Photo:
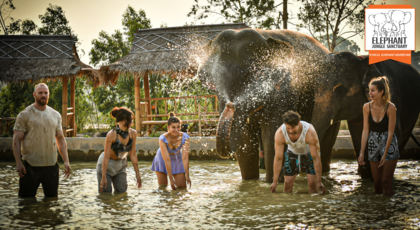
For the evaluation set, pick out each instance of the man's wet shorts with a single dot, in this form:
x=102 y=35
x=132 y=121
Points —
x=47 y=176
x=291 y=164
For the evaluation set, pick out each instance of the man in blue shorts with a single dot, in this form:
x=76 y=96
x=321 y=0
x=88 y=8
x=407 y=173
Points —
x=303 y=153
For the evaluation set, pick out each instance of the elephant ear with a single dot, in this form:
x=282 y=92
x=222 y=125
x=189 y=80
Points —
x=371 y=71
x=407 y=17
x=372 y=19
x=282 y=48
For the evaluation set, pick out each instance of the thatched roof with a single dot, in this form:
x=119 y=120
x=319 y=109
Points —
x=166 y=50
x=36 y=57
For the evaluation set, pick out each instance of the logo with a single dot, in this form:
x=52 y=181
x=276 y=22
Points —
x=390 y=32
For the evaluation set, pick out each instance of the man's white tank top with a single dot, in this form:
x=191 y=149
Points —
x=300 y=147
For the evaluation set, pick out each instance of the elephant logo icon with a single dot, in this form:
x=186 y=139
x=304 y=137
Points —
x=391 y=24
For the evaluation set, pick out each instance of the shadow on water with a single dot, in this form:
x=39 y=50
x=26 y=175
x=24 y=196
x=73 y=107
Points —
x=45 y=212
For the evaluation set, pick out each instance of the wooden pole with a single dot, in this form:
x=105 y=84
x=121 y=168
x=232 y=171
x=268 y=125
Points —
x=73 y=105
x=64 y=106
x=285 y=16
x=137 y=104
x=147 y=97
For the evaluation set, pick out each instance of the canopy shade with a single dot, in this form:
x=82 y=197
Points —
x=36 y=57
x=165 y=50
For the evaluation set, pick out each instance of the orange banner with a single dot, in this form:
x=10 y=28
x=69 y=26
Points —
x=383 y=55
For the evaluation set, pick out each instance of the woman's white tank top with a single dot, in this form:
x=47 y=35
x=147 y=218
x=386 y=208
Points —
x=300 y=147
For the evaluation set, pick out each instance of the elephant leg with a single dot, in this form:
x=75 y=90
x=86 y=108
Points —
x=327 y=144
x=247 y=153
x=356 y=130
x=268 y=131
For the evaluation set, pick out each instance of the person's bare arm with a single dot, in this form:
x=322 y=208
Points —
x=167 y=159
x=314 y=147
x=18 y=137
x=62 y=148
x=110 y=136
x=365 y=133
x=392 y=114
x=279 y=142
x=186 y=160
x=133 y=157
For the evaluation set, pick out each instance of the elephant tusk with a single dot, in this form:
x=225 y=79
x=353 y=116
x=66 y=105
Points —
x=331 y=121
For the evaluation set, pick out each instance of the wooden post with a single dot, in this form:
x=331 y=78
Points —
x=137 y=104
x=147 y=97
x=285 y=16
x=73 y=105
x=64 y=106
x=199 y=120
x=143 y=113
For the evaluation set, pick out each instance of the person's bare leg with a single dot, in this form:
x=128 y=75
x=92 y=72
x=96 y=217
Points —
x=387 y=176
x=162 y=178
x=312 y=183
x=180 y=180
x=289 y=181
x=377 y=176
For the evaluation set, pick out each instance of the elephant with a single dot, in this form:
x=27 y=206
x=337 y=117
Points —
x=399 y=18
x=258 y=76
x=342 y=91
x=378 y=21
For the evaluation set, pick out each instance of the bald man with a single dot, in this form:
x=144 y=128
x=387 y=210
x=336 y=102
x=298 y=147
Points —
x=37 y=133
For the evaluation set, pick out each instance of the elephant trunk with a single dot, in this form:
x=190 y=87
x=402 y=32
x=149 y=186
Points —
x=322 y=117
x=223 y=132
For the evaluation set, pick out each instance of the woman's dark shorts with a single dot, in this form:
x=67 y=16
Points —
x=291 y=164
x=48 y=176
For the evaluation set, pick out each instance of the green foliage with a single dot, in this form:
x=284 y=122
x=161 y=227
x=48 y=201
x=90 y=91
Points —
x=133 y=21
x=260 y=13
x=15 y=97
x=325 y=17
x=54 y=21
x=343 y=44
x=6 y=8
x=25 y=27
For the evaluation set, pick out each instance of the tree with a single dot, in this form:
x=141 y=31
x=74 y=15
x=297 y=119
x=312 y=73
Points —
x=25 y=27
x=343 y=44
x=324 y=17
x=6 y=8
x=259 y=13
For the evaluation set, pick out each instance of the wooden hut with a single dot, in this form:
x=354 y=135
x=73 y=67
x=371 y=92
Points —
x=167 y=50
x=45 y=57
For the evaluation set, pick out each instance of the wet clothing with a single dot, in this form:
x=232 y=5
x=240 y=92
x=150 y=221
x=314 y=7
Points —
x=39 y=147
x=116 y=174
x=294 y=163
x=174 y=154
x=299 y=147
x=119 y=149
x=378 y=137
x=45 y=175
x=117 y=169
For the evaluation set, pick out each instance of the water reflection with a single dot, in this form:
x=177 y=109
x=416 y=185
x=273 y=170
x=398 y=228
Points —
x=219 y=199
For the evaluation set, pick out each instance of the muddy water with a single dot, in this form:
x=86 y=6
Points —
x=218 y=199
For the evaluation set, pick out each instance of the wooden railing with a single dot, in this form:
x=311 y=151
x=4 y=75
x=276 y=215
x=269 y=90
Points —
x=188 y=109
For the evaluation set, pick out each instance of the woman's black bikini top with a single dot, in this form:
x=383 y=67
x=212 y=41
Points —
x=381 y=126
x=119 y=149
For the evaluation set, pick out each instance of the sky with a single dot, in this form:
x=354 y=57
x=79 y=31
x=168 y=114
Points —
x=88 y=17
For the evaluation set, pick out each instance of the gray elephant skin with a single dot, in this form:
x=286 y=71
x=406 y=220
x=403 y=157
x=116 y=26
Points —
x=259 y=74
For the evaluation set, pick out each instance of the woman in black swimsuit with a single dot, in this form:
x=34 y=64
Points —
x=379 y=119
x=112 y=164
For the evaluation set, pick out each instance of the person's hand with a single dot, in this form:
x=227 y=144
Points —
x=67 y=169
x=361 y=159
x=383 y=160
x=138 y=180
x=21 y=169
x=273 y=187
x=321 y=188
x=172 y=183
x=103 y=184
x=188 y=181
x=261 y=154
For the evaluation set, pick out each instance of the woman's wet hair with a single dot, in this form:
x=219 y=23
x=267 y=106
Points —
x=382 y=84
x=291 y=118
x=173 y=119
x=121 y=114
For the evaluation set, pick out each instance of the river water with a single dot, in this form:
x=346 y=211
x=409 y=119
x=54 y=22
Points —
x=218 y=199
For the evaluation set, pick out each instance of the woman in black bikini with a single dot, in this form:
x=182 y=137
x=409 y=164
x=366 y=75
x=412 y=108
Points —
x=379 y=119
x=112 y=164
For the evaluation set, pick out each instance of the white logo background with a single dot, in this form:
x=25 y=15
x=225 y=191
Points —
x=389 y=23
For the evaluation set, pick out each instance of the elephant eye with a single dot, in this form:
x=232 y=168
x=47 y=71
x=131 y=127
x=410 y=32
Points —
x=339 y=90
